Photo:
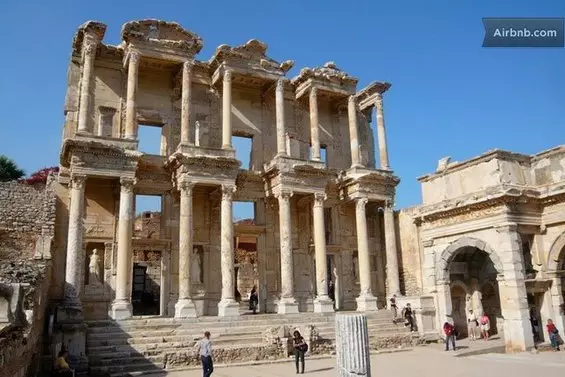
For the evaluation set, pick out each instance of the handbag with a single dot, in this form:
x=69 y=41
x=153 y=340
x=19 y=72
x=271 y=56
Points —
x=303 y=347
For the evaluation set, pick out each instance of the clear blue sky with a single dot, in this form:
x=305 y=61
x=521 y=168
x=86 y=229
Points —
x=449 y=95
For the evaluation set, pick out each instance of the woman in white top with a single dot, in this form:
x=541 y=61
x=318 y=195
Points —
x=472 y=324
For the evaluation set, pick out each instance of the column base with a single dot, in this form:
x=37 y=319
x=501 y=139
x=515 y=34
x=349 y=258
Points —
x=121 y=310
x=185 y=308
x=228 y=308
x=366 y=304
x=518 y=335
x=323 y=305
x=287 y=306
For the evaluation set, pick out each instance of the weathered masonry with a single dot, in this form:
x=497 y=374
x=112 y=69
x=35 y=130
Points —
x=323 y=227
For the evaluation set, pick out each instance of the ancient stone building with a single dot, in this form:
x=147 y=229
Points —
x=323 y=202
x=490 y=236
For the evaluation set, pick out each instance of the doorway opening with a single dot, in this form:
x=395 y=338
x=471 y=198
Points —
x=146 y=282
x=474 y=290
x=245 y=247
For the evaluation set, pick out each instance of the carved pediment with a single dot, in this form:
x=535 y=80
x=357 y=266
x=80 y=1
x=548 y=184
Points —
x=329 y=72
x=167 y=34
x=91 y=29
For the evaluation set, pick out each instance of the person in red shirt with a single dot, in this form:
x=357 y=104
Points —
x=553 y=335
x=449 y=331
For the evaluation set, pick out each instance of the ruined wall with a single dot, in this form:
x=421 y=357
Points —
x=27 y=213
x=408 y=243
x=27 y=220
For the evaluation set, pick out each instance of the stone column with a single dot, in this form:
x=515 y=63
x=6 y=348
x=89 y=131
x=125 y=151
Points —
x=227 y=305
x=381 y=132
x=322 y=303
x=121 y=307
x=131 y=121
x=353 y=135
x=89 y=48
x=557 y=302
x=287 y=303
x=366 y=301
x=392 y=277
x=74 y=267
x=226 y=111
x=513 y=296
x=184 y=307
x=314 y=132
x=352 y=346
x=279 y=99
x=185 y=102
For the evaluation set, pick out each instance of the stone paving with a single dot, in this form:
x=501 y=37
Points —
x=421 y=362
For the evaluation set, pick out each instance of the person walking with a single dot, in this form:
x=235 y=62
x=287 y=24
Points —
x=61 y=367
x=554 y=337
x=394 y=308
x=449 y=331
x=300 y=348
x=253 y=300
x=205 y=346
x=407 y=314
x=485 y=326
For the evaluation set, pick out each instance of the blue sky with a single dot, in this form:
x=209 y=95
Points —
x=449 y=95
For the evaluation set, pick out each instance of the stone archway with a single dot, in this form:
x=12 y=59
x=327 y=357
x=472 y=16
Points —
x=464 y=268
x=555 y=269
x=556 y=254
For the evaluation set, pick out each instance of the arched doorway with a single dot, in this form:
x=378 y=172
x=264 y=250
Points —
x=472 y=275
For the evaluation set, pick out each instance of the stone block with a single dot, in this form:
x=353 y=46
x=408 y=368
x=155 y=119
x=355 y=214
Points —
x=185 y=309
x=228 y=308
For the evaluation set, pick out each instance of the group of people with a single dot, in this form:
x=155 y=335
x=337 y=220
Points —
x=407 y=314
x=205 y=349
x=474 y=322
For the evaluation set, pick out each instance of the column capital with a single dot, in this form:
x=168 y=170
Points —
x=186 y=186
x=389 y=205
x=188 y=65
x=77 y=181
x=314 y=92
x=284 y=195
x=351 y=100
x=227 y=75
x=134 y=57
x=280 y=84
x=319 y=198
x=89 y=47
x=127 y=184
x=228 y=191
x=378 y=100
x=360 y=203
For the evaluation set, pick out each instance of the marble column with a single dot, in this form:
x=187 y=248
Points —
x=84 y=114
x=353 y=134
x=366 y=301
x=121 y=307
x=381 y=132
x=352 y=346
x=74 y=267
x=392 y=276
x=226 y=111
x=322 y=303
x=557 y=303
x=279 y=99
x=518 y=335
x=131 y=116
x=314 y=122
x=185 y=102
x=227 y=305
x=287 y=303
x=184 y=307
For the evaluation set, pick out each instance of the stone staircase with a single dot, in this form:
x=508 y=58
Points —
x=137 y=346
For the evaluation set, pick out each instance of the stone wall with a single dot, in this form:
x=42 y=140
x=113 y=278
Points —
x=27 y=219
x=27 y=227
x=408 y=244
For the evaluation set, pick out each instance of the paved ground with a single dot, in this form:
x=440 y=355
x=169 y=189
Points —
x=421 y=362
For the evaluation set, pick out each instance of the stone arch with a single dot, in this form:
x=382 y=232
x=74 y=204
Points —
x=459 y=283
x=555 y=253
x=450 y=251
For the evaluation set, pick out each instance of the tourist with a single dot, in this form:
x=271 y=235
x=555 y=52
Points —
x=300 y=348
x=554 y=337
x=393 y=307
x=449 y=331
x=61 y=366
x=407 y=314
x=205 y=346
x=331 y=290
x=535 y=325
x=253 y=300
x=472 y=324
x=485 y=326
